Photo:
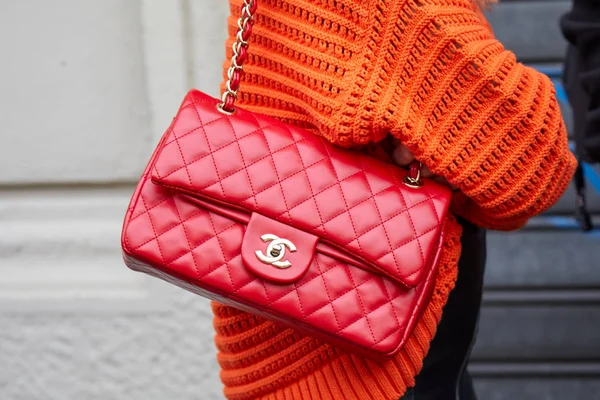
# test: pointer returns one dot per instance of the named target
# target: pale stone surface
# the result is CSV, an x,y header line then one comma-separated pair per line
x,y
72,91
76,323
86,90
92,356
207,34
166,59
61,245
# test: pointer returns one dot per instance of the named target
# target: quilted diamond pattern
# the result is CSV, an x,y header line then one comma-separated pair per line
x,y
348,199
345,198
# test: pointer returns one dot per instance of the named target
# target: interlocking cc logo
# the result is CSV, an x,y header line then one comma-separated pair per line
x,y
275,251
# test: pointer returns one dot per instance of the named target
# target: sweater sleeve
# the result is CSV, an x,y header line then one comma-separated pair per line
x,y
512,165
430,73
496,133
506,176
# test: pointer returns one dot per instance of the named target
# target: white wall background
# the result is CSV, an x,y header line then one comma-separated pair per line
x,y
86,89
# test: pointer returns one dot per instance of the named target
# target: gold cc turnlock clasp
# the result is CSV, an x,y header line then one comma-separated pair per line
x,y
275,251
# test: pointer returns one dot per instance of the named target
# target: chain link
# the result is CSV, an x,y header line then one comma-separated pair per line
x,y
240,53
413,179
235,71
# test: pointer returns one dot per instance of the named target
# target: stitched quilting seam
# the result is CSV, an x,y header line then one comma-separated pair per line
x,y
387,294
132,207
279,182
195,247
382,224
202,127
411,222
343,198
220,266
202,210
237,142
162,258
316,262
362,315
187,171
296,286
271,154
304,168
346,267
362,306
218,237
186,235
339,332
265,289
158,236
146,211
190,132
186,165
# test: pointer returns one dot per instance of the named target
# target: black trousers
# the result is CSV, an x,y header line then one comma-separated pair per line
x,y
444,375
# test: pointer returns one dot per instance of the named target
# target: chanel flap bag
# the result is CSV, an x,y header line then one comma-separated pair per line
x,y
271,219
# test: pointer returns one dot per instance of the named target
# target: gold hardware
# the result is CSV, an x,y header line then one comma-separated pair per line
x,y
275,251
243,25
415,182
223,111
412,182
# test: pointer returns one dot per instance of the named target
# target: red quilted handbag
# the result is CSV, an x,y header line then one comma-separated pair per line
x,y
271,219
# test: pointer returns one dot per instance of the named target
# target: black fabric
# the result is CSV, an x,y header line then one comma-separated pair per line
x,y
581,28
444,376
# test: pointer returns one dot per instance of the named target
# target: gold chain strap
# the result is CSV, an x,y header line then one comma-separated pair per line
x,y
240,54
235,72
413,179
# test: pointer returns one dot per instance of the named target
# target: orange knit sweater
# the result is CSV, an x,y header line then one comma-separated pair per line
x,y
430,73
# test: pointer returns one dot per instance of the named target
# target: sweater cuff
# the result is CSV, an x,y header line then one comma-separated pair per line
x,y
513,167
509,220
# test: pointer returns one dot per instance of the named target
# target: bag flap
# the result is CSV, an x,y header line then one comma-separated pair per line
x,y
355,205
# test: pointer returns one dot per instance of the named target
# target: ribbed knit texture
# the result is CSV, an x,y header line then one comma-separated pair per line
x,y
430,73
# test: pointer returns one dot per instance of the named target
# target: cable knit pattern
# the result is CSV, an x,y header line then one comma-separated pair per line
x,y
430,73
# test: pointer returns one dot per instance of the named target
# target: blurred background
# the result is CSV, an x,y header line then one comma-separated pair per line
x,y
86,90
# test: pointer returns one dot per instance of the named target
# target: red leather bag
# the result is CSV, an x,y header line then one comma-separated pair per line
x,y
271,219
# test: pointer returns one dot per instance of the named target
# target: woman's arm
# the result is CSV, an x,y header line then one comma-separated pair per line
x,y
511,167
514,163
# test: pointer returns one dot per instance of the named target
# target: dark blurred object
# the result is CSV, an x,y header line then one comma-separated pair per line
x,y
581,28
583,215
